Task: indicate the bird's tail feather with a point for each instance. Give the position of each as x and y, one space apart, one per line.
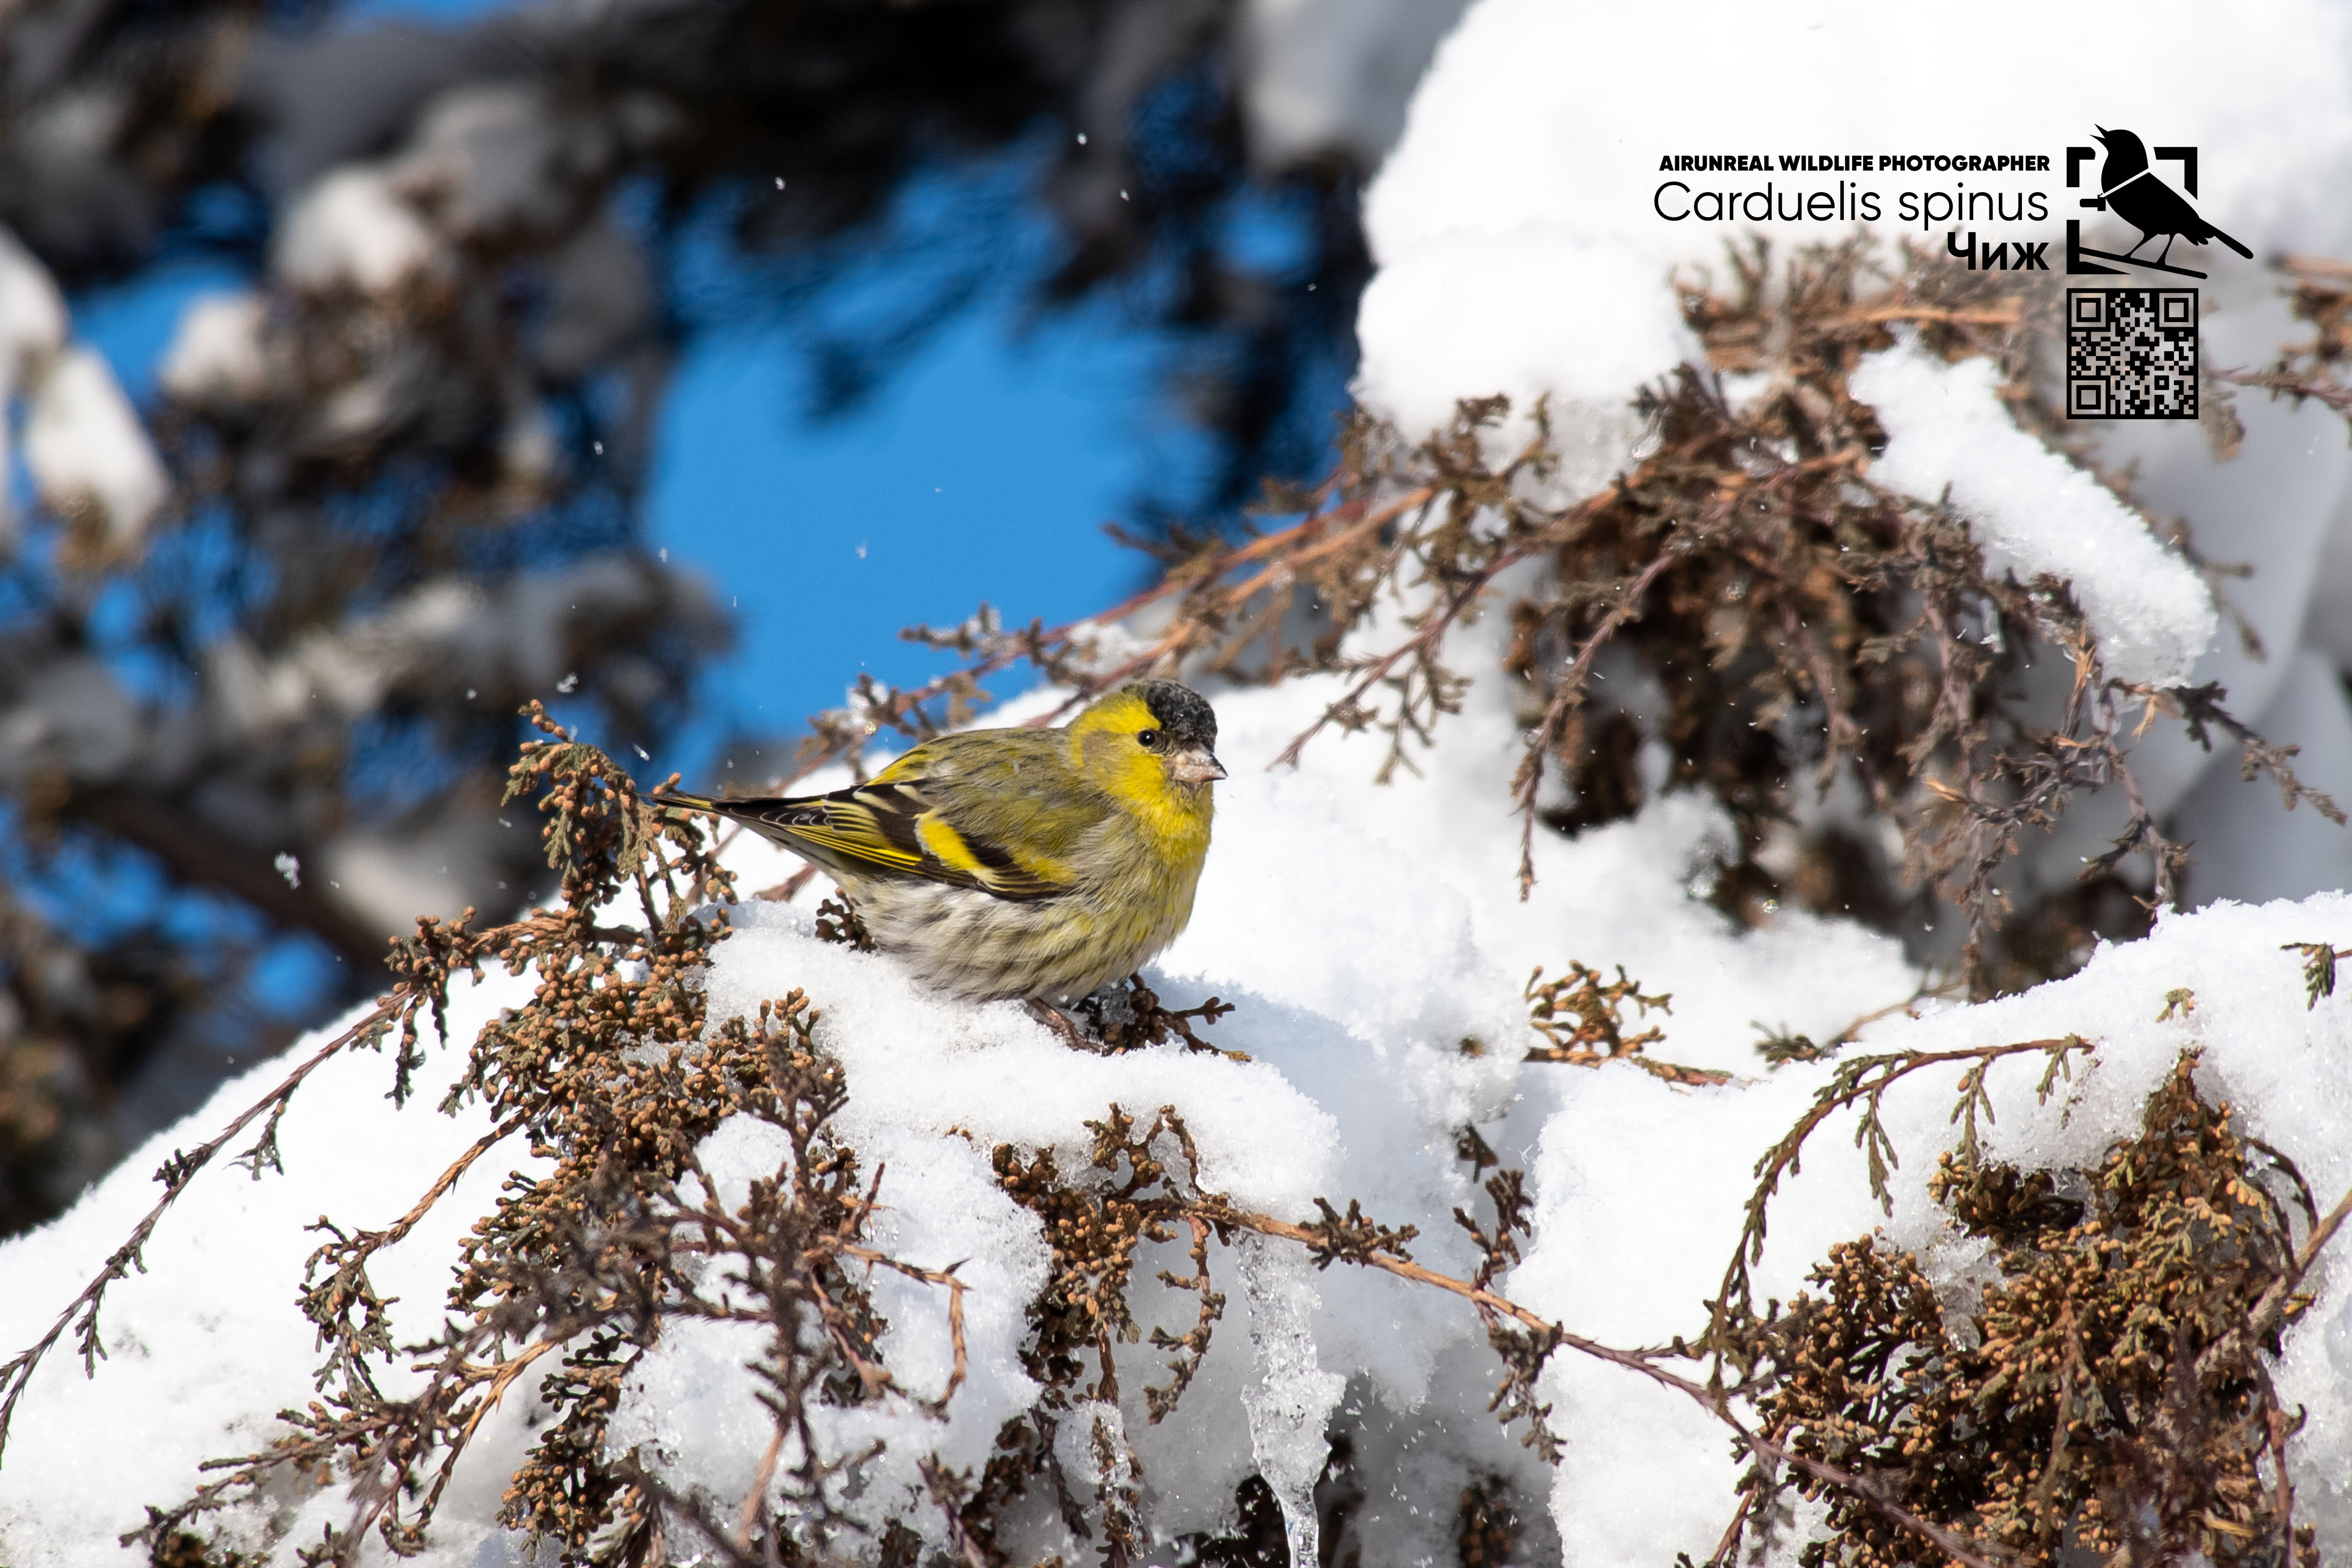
2233 245
686 802
771 816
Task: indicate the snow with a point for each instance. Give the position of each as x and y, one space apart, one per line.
217 355
32 313
490 159
1464 311
2282 509
86 448
2247 848
600 293
84 445
351 229
207 1344
1520 250
73 715
2034 512
1608 1197
1333 76
1290 1400
1540 112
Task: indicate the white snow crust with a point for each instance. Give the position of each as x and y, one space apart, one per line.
32 313
1321 76
216 357
2035 512
84 445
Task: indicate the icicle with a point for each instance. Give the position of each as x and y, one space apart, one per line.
1292 1400
1091 1444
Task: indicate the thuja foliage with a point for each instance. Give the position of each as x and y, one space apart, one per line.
2313 370
1093 1224
1143 1184
611 1074
1581 1017
2109 1394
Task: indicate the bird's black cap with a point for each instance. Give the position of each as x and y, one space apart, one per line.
1182 712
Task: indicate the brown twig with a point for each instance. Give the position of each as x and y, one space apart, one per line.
1432 631
755 1500
81 1312
2271 1307
1568 698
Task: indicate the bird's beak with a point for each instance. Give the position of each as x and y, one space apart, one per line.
1195 765
2099 134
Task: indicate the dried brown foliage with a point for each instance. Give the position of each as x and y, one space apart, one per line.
1487 1532
75 1023
1142 1185
614 1074
2110 1395
2322 294
1736 1333
1093 1231
1582 1019
1095 1220
2111 1389
838 921
1127 1015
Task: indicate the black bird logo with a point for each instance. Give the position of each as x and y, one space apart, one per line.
2130 190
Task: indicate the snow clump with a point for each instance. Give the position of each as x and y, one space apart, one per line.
2034 512
84 445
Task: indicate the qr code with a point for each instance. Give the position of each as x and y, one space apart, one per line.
2131 354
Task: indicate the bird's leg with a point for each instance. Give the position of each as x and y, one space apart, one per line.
1061 1023
2166 250
2135 249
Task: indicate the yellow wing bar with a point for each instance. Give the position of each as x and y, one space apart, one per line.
890 829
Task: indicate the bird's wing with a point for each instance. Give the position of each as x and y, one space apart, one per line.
886 829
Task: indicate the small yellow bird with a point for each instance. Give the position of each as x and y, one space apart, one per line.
1036 864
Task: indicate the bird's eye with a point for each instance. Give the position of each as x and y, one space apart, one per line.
1147 738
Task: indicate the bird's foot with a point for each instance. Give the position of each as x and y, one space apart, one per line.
1066 1026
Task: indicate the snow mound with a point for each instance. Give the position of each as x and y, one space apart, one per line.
1524 241
1536 111
1373 939
84 446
